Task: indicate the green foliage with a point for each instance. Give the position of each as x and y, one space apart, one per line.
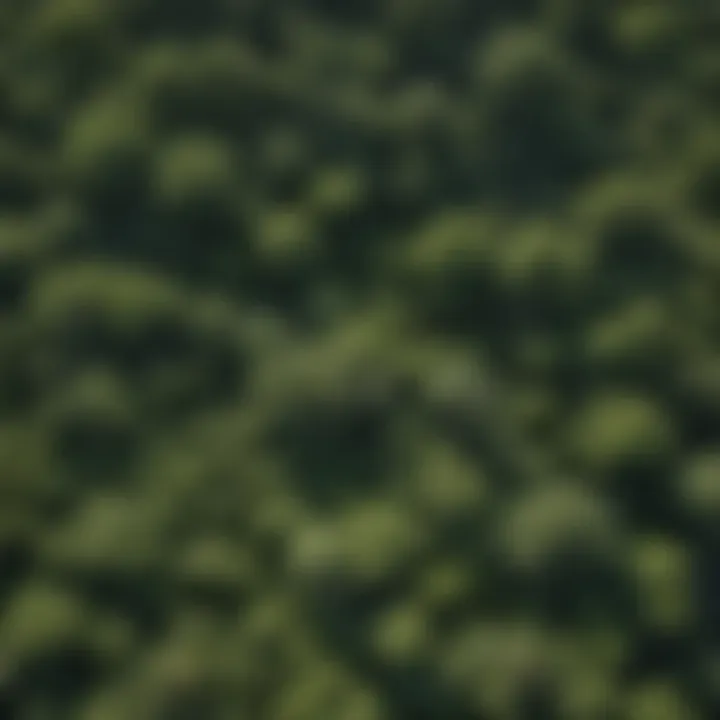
663 571
194 173
107 146
41 621
618 432
359 360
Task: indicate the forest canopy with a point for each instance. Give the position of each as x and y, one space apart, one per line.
359 360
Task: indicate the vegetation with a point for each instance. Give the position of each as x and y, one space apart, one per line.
359 360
